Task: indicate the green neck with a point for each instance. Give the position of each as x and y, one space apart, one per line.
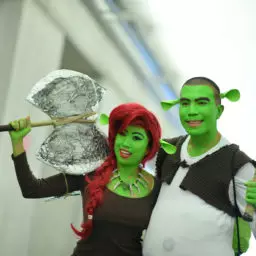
200 144
128 173
128 176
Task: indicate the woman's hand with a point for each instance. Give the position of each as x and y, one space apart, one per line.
22 127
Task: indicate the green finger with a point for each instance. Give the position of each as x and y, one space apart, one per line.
251 184
250 201
251 195
23 123
14 125
251 189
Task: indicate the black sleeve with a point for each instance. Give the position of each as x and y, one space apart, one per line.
56 185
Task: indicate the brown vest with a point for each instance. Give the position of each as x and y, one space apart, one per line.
209 178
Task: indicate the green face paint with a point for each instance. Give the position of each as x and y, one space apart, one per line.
131 146
198 110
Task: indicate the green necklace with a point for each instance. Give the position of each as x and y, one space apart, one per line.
141 179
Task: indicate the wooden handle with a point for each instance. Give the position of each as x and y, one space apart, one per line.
6 128
249 210
56 122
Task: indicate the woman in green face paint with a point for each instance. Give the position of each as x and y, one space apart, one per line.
118 197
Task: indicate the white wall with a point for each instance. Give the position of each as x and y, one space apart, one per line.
38 51
31 46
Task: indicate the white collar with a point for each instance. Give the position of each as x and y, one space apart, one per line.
192 159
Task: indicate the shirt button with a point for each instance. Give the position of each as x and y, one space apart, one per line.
168 244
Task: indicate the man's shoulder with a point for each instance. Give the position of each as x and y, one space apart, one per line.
240 158
237 157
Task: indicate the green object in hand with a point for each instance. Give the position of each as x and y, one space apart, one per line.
245 235
21 128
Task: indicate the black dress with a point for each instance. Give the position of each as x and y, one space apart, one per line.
117 223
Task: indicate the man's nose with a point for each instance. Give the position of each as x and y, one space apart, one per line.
193 111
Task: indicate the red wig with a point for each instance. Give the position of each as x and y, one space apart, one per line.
120 117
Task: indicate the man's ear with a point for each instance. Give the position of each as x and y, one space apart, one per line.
220 111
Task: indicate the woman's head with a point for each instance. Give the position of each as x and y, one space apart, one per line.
135 129
131 146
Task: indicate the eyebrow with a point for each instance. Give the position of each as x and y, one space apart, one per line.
198 99
138 133
184 99
202 98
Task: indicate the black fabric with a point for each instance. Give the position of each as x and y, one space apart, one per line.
209 178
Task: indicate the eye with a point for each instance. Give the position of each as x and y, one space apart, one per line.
136 137
202 103
184 104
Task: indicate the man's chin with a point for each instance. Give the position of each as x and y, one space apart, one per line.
194 131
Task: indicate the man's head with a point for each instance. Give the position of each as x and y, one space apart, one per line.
200 106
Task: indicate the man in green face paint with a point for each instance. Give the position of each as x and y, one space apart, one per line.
206 184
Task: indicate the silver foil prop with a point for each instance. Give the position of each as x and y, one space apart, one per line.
73 148
64 93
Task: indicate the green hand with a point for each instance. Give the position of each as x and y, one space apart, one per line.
22 128
251 193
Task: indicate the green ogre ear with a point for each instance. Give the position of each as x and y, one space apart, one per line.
166 105
104 119
232 95
167 147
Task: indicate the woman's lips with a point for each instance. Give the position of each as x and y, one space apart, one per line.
124 153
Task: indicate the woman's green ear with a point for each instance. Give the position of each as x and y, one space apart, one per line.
166 105
232 95
104 119
167 147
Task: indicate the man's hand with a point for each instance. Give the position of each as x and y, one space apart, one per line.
251 192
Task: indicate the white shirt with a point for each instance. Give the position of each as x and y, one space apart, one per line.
182 224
